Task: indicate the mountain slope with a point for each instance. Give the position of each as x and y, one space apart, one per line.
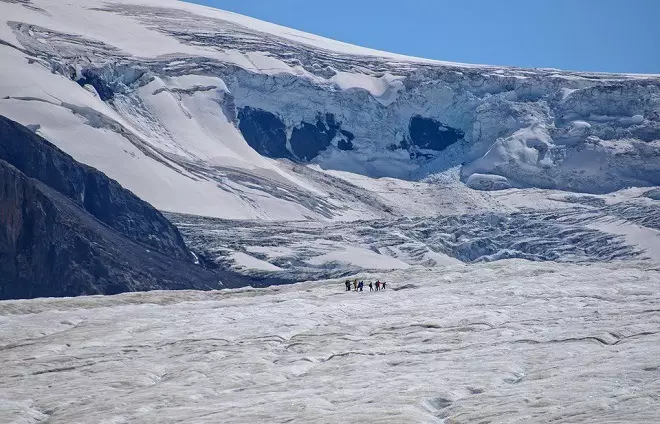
103 198
70 230
188 106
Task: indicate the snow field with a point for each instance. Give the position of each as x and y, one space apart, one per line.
507 342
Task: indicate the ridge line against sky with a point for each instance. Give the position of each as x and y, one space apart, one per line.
580 35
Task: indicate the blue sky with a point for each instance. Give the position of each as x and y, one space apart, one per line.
587 35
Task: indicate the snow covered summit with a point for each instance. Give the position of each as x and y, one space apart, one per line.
211 113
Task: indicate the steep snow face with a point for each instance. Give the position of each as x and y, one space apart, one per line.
194 110
508 342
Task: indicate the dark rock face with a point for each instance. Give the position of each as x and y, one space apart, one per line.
427 133
67 229
50 246
266 134
90 189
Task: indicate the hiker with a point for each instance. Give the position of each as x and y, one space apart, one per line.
371 286
361 285
377 285
383 285
355 283
348 285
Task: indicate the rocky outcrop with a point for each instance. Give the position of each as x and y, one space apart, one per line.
77 232
90 189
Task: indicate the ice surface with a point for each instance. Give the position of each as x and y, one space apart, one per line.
539 226
508 342
360 257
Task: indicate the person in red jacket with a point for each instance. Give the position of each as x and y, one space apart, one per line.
377 285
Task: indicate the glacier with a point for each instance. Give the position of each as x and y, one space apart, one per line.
197 102
503 342
206 113
514 213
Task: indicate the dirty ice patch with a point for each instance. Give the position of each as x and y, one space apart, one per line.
271 251
266 64
363 258
645 238
195 82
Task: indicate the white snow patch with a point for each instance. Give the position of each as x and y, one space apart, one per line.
487 182
244 260
383 89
